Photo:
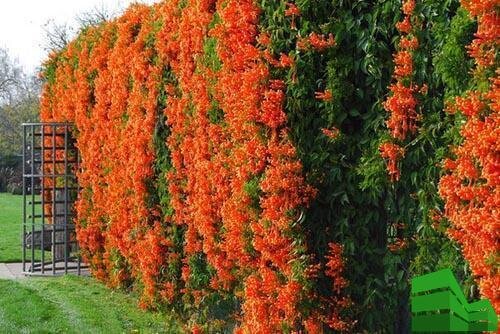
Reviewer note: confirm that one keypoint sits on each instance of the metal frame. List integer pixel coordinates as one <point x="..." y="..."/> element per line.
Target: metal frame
<point x="50" y="188"/>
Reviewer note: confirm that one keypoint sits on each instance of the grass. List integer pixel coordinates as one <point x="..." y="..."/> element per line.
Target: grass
<point x="71" y="304"/>
<point x="11" y="211"/>
<point x="10" y="227"/>
<point x="67" y="304"/>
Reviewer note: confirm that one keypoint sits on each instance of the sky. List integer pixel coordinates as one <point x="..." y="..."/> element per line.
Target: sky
<point x="22" y="24"/>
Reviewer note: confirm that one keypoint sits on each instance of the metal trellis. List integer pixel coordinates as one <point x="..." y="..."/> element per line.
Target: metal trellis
<point x="50" y="188"/>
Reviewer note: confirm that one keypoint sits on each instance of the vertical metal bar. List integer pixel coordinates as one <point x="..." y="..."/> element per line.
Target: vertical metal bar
<point x="66" y="172"/>
<point x="77" y="170"/>
<point x="42" y="195"/>
<point x="24" y="198"/>
<point x="32" y="176"/>
<point x="54" y="198"/>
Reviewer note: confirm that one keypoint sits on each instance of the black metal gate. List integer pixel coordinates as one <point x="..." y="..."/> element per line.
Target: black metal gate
<point x="50" y="188"/>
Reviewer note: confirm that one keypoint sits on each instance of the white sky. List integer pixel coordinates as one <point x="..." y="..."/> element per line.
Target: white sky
<point x="22" y="21"/>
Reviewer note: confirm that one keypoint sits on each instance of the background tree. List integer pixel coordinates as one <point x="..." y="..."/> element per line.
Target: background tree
<point x="19" y="91"/>
<point x="94" y="16"/>
<point x="9" y="74"/>
<point x="18" y="103"/>
<point x="58" y="35"/>
<point x="19" y="94"/>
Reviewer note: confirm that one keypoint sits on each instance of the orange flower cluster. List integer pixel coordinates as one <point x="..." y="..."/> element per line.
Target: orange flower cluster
<point x="272" y="292"/>
<point x="484" y="48"/>
<point x="321" y="42"/>
<point x="105" y="83"/>
<point x="470" y="189"/>
<point x="401" y="104"/>
<point x="392" y="153"/>
<point x="198" y="182"/>
<point x="331" y="133"/>
<point x="227" y="134"/>
<point x="324" y="96"/>
<point x="293" y="11"/>
<point x="329" y="310"/>
<point x="235" y="185"/>
<point x="317" y="42"/>
<point x="397" y="245"/>
<point x="335" y="268"/>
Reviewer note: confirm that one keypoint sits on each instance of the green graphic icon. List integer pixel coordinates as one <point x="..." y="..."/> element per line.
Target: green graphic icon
<point x="438" y="305"/>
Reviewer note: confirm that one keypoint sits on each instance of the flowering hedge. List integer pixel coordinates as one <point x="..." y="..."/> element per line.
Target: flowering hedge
<point x="234" y="157"/>
<point x="470" y="189"/>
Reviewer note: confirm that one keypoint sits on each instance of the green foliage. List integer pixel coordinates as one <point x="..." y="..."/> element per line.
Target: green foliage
<point x="447" y="72"/>
<point x="23" y="109"/>
<point x="215" y="114"/>
<point x="357" y="71"/>
<point x="201" y="273"/>
<point x="451" y="61"/>
<point x="357" y="205"/>
<point x="158" y="186"/>
<point x="49" y="70"/>
<point x="211" y="60"/>
<point x="252" y="188"/>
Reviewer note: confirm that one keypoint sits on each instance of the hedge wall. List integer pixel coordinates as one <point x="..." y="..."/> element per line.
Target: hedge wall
<point x="271" y="166"/>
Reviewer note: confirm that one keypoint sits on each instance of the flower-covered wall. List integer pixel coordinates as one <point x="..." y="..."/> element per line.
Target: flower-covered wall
<point x="273" y="166"/>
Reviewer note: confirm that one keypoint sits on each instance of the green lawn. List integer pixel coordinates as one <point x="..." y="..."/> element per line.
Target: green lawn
<point x="71" y="304"/>
<point x="11" y="207"/>
<point x="67" y="304"/>
<point x="11" y="211"/>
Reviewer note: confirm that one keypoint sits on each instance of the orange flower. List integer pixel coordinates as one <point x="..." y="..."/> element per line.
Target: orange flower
<point x="402" y="108"/>
<point x="392" y="153"/>
<point x="470" y="186"/>
<point x="409" y="43"/>
<point x="405" y="25"/>
<point x="397" y="245"/>
<point x="402" y="103"/>
<point x="226" y="130"/>
<point x="292" y="9"/>
<point x="196" y="329"/>
<point x="264" y="39"/>
<point x="321" y="42"/>
<point x="335" y="267"/>
<point x="286" y="61"/>
<point x="470" y="105"/>
<point x="316" y="41"/>
<point x="332" y="133"/>
<point x="408" y="7"/>
<point x="404" y="64"/>
<point x="324" y="96"/>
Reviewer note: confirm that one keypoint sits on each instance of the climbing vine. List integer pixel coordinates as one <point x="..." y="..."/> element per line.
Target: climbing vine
<point x="273" y="166"/>
<point x="470" y="188"/>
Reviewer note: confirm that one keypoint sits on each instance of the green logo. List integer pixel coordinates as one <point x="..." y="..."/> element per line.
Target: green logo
<point x="438" y="305"/>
